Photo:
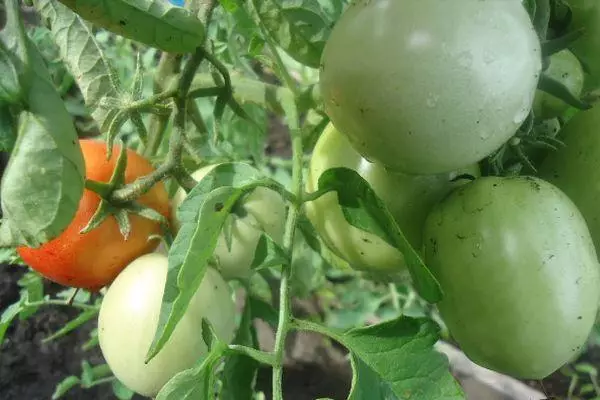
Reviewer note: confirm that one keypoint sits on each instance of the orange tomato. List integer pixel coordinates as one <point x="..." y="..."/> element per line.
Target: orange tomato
<point x="92" y="260"/>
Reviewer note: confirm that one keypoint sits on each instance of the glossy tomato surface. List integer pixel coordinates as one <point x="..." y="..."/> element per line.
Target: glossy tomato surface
<point x="129" y="316"/>
<point x="519" y="273"/>
<point x="430" y="86"/>
<point x="94" y="259"/>
<point x="408" y="197"/>
<point x="264" y="211"/>
<point x="575" y="168"/>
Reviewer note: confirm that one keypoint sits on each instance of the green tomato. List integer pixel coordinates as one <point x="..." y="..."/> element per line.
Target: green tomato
<point x="430" y="86"/>
<point x="129" y="317"/>
<point x="586" y="15"/>
<point x="519" y="273"/>
<point x="565" y="68"/>
<point x="575" y="168"/>
<point x="408" y="197"/>
<point x="264" y="211"/>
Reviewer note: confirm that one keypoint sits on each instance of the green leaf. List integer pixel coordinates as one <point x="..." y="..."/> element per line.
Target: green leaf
<point x="307" y="268"/>
<point x="33" y="291"/>
<point x="239" y="372"/>
<point x="154" y="22"/>
<point x="268" y="254"/>
<point x="364" y="210"/>
<point x="121" y="391"/>
<point x="188" y="259"/>
<point x="236" y="175"/>
<point x="70" y="326"/>
<point x="8" y="129"/>
<point x="300" y="27"/>
<point x="39" y="199"/>
<point x="8" y="315"/>
<point x="398" y="357"/>
<point x="64" y="386"/>
<point x="83" y="55"/>
<point x="367" y="384"/>
<point x="560" y="91"/>
<point x="194" y="383"/>
<point x="10" y="88"/>
<point x="263" y="310"/>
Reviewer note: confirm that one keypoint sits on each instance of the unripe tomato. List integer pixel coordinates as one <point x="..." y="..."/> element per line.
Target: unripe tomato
<point x="430" y="86"/>
<point x="519" y="273"/>
<point x="564" y="68"/>
<point x="264" y="211"/>
<point x="94" y="259"/>
<point x="408" y="197"/>
<point x="575" y="168"/>
<point x="129" y="317"/>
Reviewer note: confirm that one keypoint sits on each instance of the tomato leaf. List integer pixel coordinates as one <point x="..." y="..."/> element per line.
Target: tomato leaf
<point x="189" y="255"/>
<point x="299" y="27"/>
<point x="8" y="315"/>
<point x="153" y="22"/>
<point x="64" y="386"/>
<point x="367" y="384"/>
<point x="84" y="57"/>
<point x="194" y="383"/>
<point x="33" y="291"/>
<point x="263" y="310"/>
<point x="268" y="254"/>
<point x="70" y="326"/>
<point x="8" y="132"/>
<point x="39" y="199"/>
<point x="239" y="372"/>
<point x="10" y="88"/>
<point x="364" y="210"/>
<point x="235" y="175"/>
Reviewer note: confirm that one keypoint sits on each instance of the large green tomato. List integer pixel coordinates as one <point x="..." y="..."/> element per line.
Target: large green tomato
<point x="519" y="273"/>
<point x="129" y="317"/>
<point x="408" y="197"/>
<point x="564" y="68"/>
<point x="264" y="211"/>
<point x="430" y="86"/>
<point x="586" y="15"/>
<point x="575" y="168"/>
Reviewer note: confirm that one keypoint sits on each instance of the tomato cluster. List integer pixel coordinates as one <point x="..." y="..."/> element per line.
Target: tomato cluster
<point x="417" y="97"/>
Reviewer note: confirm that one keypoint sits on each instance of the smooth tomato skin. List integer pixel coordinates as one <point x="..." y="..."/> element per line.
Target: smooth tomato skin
<point x="519" y="272"/>
<point x="92" y="260"/>
<point x="586" y="15"/>
<point x="408" y="197"/>
<point x="427" y="92"/>
<point x="565" y="68"/>
<point x="265" y="211"/>
<point x="129" y="316"/>
<point x="575" y="168"/>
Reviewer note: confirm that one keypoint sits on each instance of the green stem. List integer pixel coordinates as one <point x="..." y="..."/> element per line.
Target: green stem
<point x="285" y="312"/>
<point x="314" y="195"/>
<point x="258" y="355"/>
<point x="309" y="326"/>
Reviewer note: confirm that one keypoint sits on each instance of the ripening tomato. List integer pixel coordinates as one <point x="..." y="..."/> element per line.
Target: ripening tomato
<point x="92" y="260"/>
<point x="264" y="211"/>
<point x="129" y="317"/>
<point x="430" y="86"/>
<point x="575" y="168"/>
<point x="408" y="197"/>
<point x="519" y="272"/>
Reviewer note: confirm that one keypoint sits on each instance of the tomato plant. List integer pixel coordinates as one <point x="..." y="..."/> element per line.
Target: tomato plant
<point x="129" y="316"/>
<point x="92" y="260"/>
<point x="518" y="268"/>
<point x="574" y="168"/>
<point x="408" y="197"/>
<point x="392" y="72"/>
<point x="564" y="68"/>
<point x="357" y="235"/>
<point x="262" y="210"/>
